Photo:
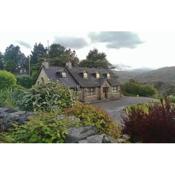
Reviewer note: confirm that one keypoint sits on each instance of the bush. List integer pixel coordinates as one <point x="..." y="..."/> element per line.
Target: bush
<point x="46" y="97"/>
<point x="7" y="80"/>
<point x="92" y="116"/>
<point x="10" y="97"/>
<point x="154" y="123"/>
<point x="135" y="88"/>
<point x="25" y="81"/>
<point x="41" y="128"/>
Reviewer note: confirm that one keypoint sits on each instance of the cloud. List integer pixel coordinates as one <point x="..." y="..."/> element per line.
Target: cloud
<point x="116" y="39"/>
<point x="24" y="44"/>
<point x="71" y="42"/>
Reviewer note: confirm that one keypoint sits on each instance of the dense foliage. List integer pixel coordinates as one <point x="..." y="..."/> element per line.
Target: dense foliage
<point x="134" y="88"/>
<point x="46" y="97"/>
<point x="14" y="59"/>
<point x="92" y="116"/>
<point x="25" y="81"/>
<point x="153" y="123"/>
<point x="95" y="59"/>
<point x="41" y="128"/>
<point x="1" y="61"/>
<point x="59" y="55"/>
<point x="38" y="52"/>
<point x="10" y="97"/>
<point x="7" y="80"/>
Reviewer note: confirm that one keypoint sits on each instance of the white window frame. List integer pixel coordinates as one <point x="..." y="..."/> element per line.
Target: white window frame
<point x="114" y="89"/>
<point x="85" y="75"/>
<point x="64" y="75"/>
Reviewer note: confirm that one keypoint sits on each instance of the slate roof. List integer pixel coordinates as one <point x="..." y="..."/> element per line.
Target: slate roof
<point x="92" y="81"/>
<point x="52" y="74"/>
<point x="74" y="76"/>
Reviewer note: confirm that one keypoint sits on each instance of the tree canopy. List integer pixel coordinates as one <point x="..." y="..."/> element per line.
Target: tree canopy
<point x="95" y="59"/>
<point x="1" y="61"/>
<point x="14" y="59"/>
<point x="58" y="55"/>
<point x="39" y="51"/>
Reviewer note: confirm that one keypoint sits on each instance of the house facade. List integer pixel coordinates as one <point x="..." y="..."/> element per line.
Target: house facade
<point x="91" y="84"/>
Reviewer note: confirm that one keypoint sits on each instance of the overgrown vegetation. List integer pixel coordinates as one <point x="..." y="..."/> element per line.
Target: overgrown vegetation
<point x="25" y="81"/>
<point x="46" y="97"/>
<point x="7" y="80"/>
<point x="41" y="128"/>
<point x="92" y="116"/>
<point x="134" y="88"/>
<point x="151" y="123"/>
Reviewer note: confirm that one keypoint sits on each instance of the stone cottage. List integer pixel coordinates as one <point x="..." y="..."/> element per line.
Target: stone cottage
<point x="92" y="84"/>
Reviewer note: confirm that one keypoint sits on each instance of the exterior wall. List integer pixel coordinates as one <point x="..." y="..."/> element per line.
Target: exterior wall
<point x="85" y="97"/>
<point x="114" y="95"/>
<point x="99" y="94"/>
<point x="42" y="77"/>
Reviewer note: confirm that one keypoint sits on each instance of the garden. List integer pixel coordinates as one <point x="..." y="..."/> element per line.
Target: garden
<point x="53" y="111"/>
<point x="47" y="103"/>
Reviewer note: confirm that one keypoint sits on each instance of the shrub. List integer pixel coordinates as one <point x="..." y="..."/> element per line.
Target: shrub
<point x="154" y="123"/>
<point x="7" y="80"/>
<point x="134" y="88"/>
<point x="41" y="128"/>
<point x="92" y="116"/>
<point x="10" y="97"/>
<point x="25" y="81"/>
<point x="46" y="97"/>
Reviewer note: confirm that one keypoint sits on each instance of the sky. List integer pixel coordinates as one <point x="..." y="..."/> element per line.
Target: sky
<point x="131" y="36"/>
<point x="124" y="48"/>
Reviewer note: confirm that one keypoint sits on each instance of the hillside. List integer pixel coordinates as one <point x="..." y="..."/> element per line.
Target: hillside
<point x="163" y="78"/>
<point x="165" y="74"/>
<point x="126" y="75"/>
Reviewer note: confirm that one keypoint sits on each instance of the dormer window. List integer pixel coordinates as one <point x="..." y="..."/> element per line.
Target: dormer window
<point x="97" y="75"/>
<point x="63" y="74"/>
<point x="108" y="76"/>
<point x="85" y="75"/>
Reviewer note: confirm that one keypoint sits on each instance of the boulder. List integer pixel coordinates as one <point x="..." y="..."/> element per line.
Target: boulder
<point x="102" y="138"/>
<point x="93" y="139"/>
<point x="81" y="133"/>
<point x="10" y="116"/>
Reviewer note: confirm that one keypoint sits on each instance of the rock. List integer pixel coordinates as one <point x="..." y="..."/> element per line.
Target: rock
<point x="81" y="133"/>
<point x="102" y="138"/>
<point x="108" y="139"/>
<point x="11" y="116"/>
<point x="95" y="139"/>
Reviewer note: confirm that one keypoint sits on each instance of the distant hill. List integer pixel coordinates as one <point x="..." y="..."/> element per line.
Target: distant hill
<point x="126" y="75"/>
<point x="163" y="78"/>
<point x="165" y="74"/>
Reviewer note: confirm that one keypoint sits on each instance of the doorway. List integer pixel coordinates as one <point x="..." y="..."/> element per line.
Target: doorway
<point x="105" y="92"/>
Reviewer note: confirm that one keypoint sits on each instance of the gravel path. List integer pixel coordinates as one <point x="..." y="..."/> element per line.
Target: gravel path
<point x="115" y="108"/>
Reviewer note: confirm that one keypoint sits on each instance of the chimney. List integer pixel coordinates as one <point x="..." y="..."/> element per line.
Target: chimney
<point x="69" y="65"/>
<point x="45" y="64"/>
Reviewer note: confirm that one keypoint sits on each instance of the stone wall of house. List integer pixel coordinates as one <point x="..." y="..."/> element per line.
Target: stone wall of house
<point x="99" y="95"/>
<point x="114" y="95"/>
<point x="85" y="97"/>
<point x="42" y="77"/>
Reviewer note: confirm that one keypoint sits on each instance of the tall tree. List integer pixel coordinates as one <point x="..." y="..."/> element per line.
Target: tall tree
<point x="1" y="61"/>
<point x="14" y="59"/>
<point x="59" y="55"/>
<point x="39" y="51"/>
<point x="95" y="59"/>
